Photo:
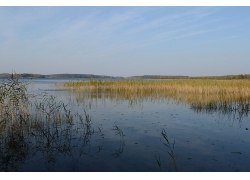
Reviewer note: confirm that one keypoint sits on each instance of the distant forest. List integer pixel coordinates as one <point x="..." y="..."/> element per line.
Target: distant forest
<point x="26" y="75"/>
<point x="58" y="76"/>
<point x="227" y="77"/>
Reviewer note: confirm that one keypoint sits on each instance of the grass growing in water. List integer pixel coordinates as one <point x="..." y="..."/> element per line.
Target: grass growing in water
<point x="171" y="150"/>
<point x="51" y="128"/>
<point x="37" y="124"/>
<point x="187" y="86"/>
<point x="200" y="94"/>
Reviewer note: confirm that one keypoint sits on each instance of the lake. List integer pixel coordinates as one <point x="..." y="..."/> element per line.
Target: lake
<point x="112" y="133"/>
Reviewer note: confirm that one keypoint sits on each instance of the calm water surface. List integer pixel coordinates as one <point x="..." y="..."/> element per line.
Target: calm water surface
<point x="121" y="135"/>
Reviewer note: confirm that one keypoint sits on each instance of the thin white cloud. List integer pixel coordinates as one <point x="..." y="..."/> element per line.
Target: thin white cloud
<point x="170" y="19"/>
<point x="230" y="37"/>
<point x="225" y="38"/>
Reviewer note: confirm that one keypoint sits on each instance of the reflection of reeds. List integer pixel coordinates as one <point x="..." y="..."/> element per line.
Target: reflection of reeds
<point x="119" y="151"/>
<point x="158" y="160"/>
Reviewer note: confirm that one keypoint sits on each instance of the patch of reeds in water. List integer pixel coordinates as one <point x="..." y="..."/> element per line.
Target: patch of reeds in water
<point x="37" y="124"/>
<point x="199" y="94"/>
<point x="179" y="86"/>
<point x="13" y="102"/>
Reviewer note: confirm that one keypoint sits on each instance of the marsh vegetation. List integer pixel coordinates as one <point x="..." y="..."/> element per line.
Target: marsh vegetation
<point x="222" y="95"/>
<point x="125" y="126"/>
<point x="40" y="126"/>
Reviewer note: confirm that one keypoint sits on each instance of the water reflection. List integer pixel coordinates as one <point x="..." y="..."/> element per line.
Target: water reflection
<point x="235" y="106"/>
<point x="119" y="151"/>
<point x="232" y="111"/>
<point x="102" y="131"/>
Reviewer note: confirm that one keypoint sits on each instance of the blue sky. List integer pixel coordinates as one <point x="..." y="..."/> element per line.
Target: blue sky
<point x="125" y="41"/>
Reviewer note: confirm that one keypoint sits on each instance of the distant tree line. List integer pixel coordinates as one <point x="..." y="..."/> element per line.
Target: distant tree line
<point x="76" y="76"/>
<point x="226" y="77"/>
<point x="26" y="75"/>
<point x="158" y="77"/>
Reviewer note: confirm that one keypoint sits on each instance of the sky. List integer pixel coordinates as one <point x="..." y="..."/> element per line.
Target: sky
<point x="125" y="40"/>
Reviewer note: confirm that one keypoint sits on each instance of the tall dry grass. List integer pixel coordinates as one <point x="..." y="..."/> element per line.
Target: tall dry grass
<point x="236" y="89"/>
<point x="197" y="93"/>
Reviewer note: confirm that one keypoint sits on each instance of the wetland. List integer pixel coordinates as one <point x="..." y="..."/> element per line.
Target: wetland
<point x="124" y="125"/>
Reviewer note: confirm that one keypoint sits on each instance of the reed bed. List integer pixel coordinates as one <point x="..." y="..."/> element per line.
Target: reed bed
<point x="206" y="87"/>
<point x="213" y="94"/>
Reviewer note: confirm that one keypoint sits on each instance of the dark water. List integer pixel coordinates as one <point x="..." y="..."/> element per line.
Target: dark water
<point x="120" y="135"/>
